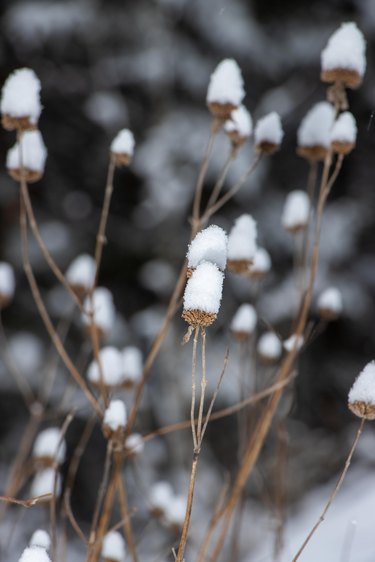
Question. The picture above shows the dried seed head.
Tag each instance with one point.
(202, 295)
(122, 148)
(261, 264)
(161, 495)
(209, 245)
(296, 212)
(242, 244)
(244, 322)
(44, 483)
(268, 134)
(239, 126)
(49, 447)
(114, 421)
(313, 135)
(344, 133)
(27, 158)
(113, 547)
(269, 348)
(81, 274)
(41, 539)
(225, 90)
(99, 310)
(361, 400)
(20, 100)
(330, 304)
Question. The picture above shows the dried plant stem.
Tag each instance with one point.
(128, 530)
(220, 182)
(193, 388)
(311, 187)
(101, 491)
(30, 502)
(280, 479)
(43, 311)
(334, 493)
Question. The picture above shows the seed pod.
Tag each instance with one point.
(268, 134)
(313, 135)
(344, 133)
(122, 148)
(202, 295)
(361, 400)
(225, 90)
(20, 101)
(239, 127)
(27, 158)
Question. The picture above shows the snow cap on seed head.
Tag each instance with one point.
(242, 244)
(361, 400)
(244, 322)
(175, 512)
(313, 135)
(239, 126)
(20, 100)
(225, 89)
(111, 366)
(122, 148)
(34, 554)
(268, 133)
(44, 483)
(113, 547)
(269, 348)
(330, 304)
(134, 444)
(344, 133)
(161, 494)
(202, 295)
(81, 273)
(50, 446)
(344, 57)
(132, 365)
(104, 311)
(211, 245)
(293, 342)
(27, 158)
(7, 284)
(260, 265)
(41, 539)
(115, 416)
(296, 212)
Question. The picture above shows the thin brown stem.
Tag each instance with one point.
(189, 505)
(102, 489)
(203, 389)
(220, 182)
(128, 529)
(193, 389)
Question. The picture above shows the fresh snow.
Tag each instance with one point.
(344, 128)
(115, 415)
(315, 127)
(175, 512)
(50, 444)
(208, 245)
(261, 261)
(226, 84)
(293, 342)
(132, 364)
(44, 482)
(204, 289)
(345, 49)
(331, 299)
(112, 367)
(269, 345)
(240, 122)
(269, 129)
(242, 239)
(363, 389)
(123, 143)
(40, 538)
(296, 210)
(21, 95)
(7, 280)
(161, 495)
(103, 308)
(34, 554)
(134, 443)
(30, 153)
(113, 547)
(82, 271)
(244, 320)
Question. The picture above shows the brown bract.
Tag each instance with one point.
(241, 336)
(17, 123)
(312, 153)
(30, 176)
(342, 147)
(327, 313)
(239, 266)
(266, 147)
(362, 409)
(267, 360)
(221, 110)
(350, 78)
(199, 318)
(296, 228)
(236, 138)
(121, 159)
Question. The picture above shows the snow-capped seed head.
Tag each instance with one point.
(161, 495)
(344, 133)
(361, 400)
(41, 539)
(296, 211)
(240, 125)
(114, 421)
(269, 348)
(34, 554)
(313, 135)
(20, 100)
(260, 265)
(113, 547)
(134, 445)
(102, 309)
(330, 304)
(202, 295)
(268, 133)
(210, 245)
(7, 284)
(344, 58)
(294, 342)
(44, 483)
(27, 158)
(132, 366)
(81, 274)
(225, 89)
(175, 513)
(122, 148)
(111, 368)
(244, 322)
(49, 447)
(242, 244)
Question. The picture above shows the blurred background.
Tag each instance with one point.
(105, 65)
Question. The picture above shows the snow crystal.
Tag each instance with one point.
(204, 289)
(7, 280)
(296, 210)
(345, 49)
(226, 84)
(123, 143)
(112, 367)
(44, 483)
(244, 320)
(315, 127)
(363, 389)
(82, 271)
(115, 415)
(21, 95)
(50, 444)
(293, 342)
(103, 308)
(344, 128)
(331, 299)
(261, 261)
(34, 554)
(176, 509)
(161, 495)
(209, 245)
(134, 443)
(269, 345)
(242, 239)
(30, 153)
(269, 129)
(40, 538)
(240, 122)
(113, 547)
(132, 364)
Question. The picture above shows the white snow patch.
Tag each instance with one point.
(204, 289)
(112, 367)
(134, 443)
(115, 415)
(293, 342)
(21, 95)
(82, 271)
(269, 129)
(345, 49)
(209, 245)
(29, 153)
(269, 345)
(242, 239)
(296, 210)
(176, 509)
(344, 128)
(363, 389)
(7, 280)
(123, 143)
(34, 554)
(44, 482)
(261, 261)
(331, 299)
(40, 538)
(132, 364)
(244, 320)
(240, 122)
(226, 84)
(113, 547)
(315, 127)
(161, 495)
(103, 308)
(49, 443)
